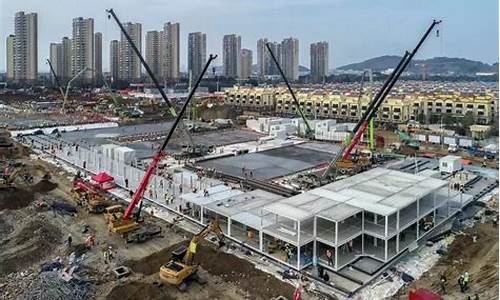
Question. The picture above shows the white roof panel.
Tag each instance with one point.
(287, 211)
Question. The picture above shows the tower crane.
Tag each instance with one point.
(345, 152)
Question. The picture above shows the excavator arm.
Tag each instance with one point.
(213, 227)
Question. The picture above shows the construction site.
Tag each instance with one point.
(112, 205)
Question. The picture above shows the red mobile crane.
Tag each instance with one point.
(376, 102)
(161, 151)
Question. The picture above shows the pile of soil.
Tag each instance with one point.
(479, 259)
(229, 267)
(137, 290)
(151, 264)
(15, 200)
(44, 186)
(28, 245)
(78, 249)
(5, 227)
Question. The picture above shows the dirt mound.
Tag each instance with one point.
(227, 266)
(137, 290)
(5, 228)
(151, 264)
(15, 199)
(78, 249)
(28, 245)
(44, 186)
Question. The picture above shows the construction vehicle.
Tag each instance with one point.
(90, 195)
(408, 140)
(199, 150)
(309, 132)
(344, 153)
(124, 223)
(182, 267)
(13, 170)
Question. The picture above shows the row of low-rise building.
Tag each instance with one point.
(398, 108)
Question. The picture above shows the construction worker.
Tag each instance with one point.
(90, 241)
(461, 283)
(442, 283)
(69, 240)
(329, 257)
(466, 280)
(105, 254)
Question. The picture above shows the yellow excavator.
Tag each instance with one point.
(182, 267)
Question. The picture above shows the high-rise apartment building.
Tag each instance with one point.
(98, 54)
(262, 58)
(153, 52)
(170, 51)
(319, 61)
(246, 63)
(56, 60)
(83, 49)
(9, 61)
(231, 55)
(25, 47)
(114, 53)
(290, 58)
(197, 53)
(129, 65)
(66, 59)
(265, 64)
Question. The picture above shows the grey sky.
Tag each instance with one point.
(355, 29)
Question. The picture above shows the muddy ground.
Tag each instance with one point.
(227, 267)
(479, 259)
(30, 237)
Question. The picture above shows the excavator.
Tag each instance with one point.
(119, 221)
(182, 267)
(345, 159)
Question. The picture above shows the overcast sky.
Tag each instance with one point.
(355, 29)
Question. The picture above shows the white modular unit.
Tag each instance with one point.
(107, 150)
(435, 139)
(449, 140)
(124, 154)
(465, 142)
(421, 137)
(279, 134)
(450, 164)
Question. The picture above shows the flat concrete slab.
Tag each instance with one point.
(272, 163)
(367, 265)
(356, 274)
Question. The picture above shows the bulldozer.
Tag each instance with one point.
(182, 267)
